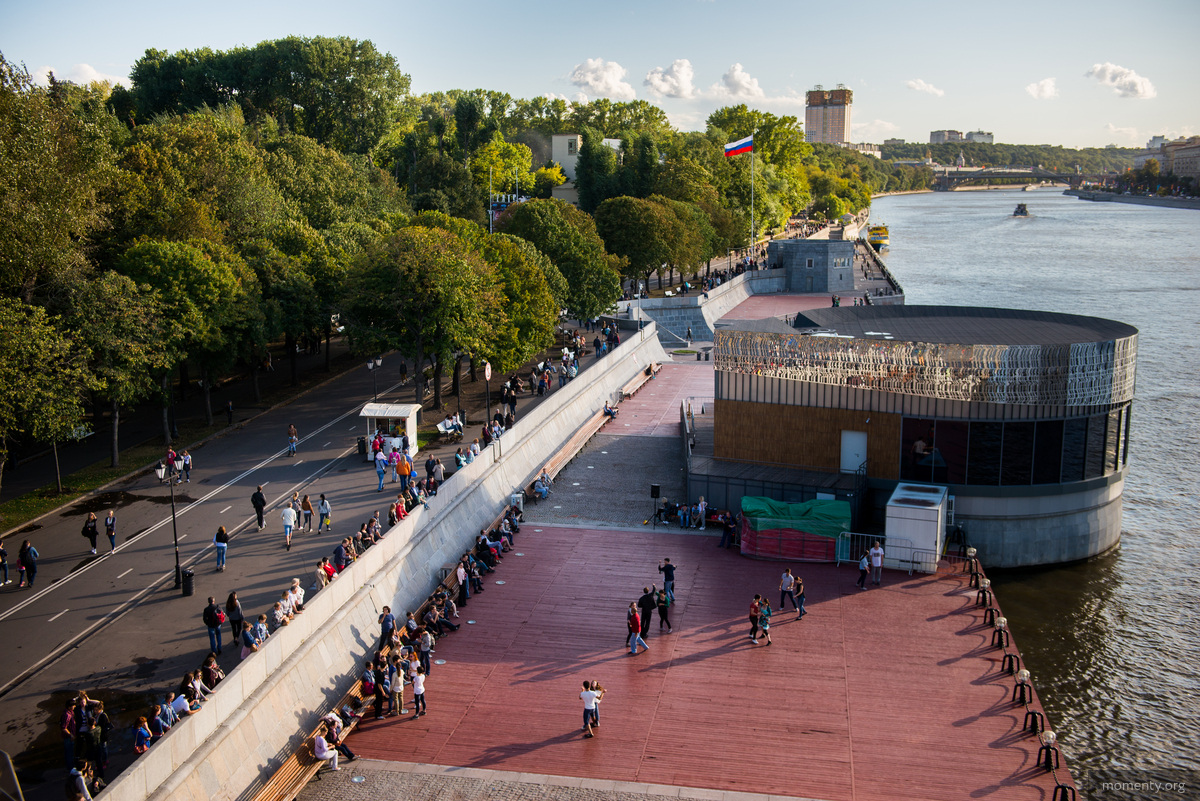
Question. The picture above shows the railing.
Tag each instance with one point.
(898, 551)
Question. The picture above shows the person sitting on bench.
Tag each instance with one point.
(611, 411)
(541, 487)
(321, 749)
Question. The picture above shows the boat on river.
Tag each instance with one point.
(877, 237)
(1021, 211)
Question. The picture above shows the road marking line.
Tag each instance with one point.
(183, 536)
(226, 509)
(326, 445)
(126, 573)
(56, 617)
(297, 464)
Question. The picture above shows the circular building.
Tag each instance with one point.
(1023, 415)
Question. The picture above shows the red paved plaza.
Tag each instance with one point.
(892, 693)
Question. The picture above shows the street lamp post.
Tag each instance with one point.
(161, 472)
(373, 366)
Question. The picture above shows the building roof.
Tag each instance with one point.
(767, 325)
(962, 325)
(389, 410)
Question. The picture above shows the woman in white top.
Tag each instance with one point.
(321, 749)
(418, 685)
(296, 594)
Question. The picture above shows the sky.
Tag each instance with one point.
(1077, 74)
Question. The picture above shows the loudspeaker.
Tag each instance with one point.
(654, 490)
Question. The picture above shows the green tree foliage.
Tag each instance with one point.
(640, 230)
(1051, 157)
(44, 375)
(439, 183)
(505, 165)
(340, 91)
(124, 327)
(427, 293)
(597, 172)
(569, 239)
(52, 166)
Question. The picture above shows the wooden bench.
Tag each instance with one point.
(303, 766)
(639, 380)
(449, 434)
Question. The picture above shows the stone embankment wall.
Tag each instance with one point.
(675, 315)
(1169, 202)
(262, 710)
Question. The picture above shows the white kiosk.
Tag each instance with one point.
(394, 420)
(916, 525)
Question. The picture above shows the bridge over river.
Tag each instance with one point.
(949, 178)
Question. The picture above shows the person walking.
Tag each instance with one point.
(324, 514)
(229, 411)
(4, 564)
(755, 611)
(635, 630)
(293, 439)
(221, 543)
(110, 529)
(288, 515)
(418, 685)
(589, 697)
(89, 530)
(876, 563)
(799, 597)
(764, 619)
(233, 613)
(862, 571)
(306, 509)
(259, 502)
(381, 464)
(27, 559)
(387, 624)
(213, 618)
(668, 570)
(186, 475)
(787, 589)
(664, 605)
(646, 606)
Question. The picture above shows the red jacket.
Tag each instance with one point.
(635, 621)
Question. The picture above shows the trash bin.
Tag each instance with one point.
(699, 357)
(362, 448)
(189, 582)
(708, 355)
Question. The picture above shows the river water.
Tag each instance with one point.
(1113, 644)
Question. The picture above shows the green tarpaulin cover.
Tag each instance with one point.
(823, 518)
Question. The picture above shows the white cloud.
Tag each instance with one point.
(738, 84)
(603, 78)
(672, 81)
(82, 74)
(1128, 133)
(1043, 89)
(874, 131)
(1125, 82)
(918, 85)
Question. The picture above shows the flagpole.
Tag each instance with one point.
(752, 220)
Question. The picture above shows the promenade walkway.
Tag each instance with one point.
(892, 693)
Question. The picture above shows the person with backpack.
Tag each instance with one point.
(27, 564)
(214, 619)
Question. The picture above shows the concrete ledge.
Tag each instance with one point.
(260, 712)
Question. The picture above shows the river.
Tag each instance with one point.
(1113, 644)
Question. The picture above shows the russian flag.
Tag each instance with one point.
(740, 146)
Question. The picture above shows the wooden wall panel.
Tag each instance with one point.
(803, 435)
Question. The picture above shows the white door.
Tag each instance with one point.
(854, 450)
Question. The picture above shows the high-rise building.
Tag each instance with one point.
(827, 115)
(942, 137)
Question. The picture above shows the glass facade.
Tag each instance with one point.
(1014, 453)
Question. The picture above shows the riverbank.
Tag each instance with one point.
(1140, 200)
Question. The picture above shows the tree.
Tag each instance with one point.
(197, 286)
(124, 327)
(426, 293)
(51, 169)
(441, 184)
(530, 310)
(597, 175)
(568, 238)
(505, 166)
(44, 375)
(640, 230)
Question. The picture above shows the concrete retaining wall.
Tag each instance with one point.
(675, 315)
(264, 707)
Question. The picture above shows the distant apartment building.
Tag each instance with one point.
(827, 115)
(983, 137)
(1182, 157)
(942, 137)
(892, 142)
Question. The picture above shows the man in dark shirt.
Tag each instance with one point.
(668, 570)
(259, 502)
(646, 606)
